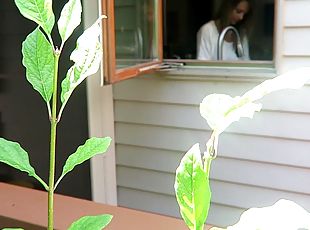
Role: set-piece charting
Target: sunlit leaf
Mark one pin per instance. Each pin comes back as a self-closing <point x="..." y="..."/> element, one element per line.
<point x="38" y="59"/>
<point x="39" y="11"/>
<point x="92" y="147"/>
<point x="86" y="57"/>
<point x="293" y="79"/>
<point x="192" y="189"/>
<point x="11" y="153"/>
<point x="284" y="215"/>
<point x="221" y="110"/>
<point x="91" y="222"/>
<point x="70" y="18"/>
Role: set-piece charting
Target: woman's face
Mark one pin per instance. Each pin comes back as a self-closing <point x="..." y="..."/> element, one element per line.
<point x="238" y="13"/>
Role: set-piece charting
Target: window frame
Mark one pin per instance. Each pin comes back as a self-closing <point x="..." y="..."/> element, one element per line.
<point x="111" y="73"/>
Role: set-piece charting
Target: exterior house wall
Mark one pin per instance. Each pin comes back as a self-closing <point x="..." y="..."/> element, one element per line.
<point x="156" y="120"/>
<point x="296" y="24"/>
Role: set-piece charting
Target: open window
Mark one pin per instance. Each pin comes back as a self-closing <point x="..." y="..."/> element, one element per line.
<point x="140" y="34"/>
<point x="132" y="37"/>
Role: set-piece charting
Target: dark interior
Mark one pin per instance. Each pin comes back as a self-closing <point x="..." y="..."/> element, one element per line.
<point x="183" y="19"/>
<point x="23" y="113"/>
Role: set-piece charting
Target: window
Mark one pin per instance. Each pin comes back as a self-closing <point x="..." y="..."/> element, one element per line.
<point x="133" y="37"/>
<point x="141" y="33"/>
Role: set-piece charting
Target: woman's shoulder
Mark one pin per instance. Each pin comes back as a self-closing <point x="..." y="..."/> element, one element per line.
<point x="209" y="26"/>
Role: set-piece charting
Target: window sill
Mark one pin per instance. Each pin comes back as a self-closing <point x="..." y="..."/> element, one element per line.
<point x="250" y="71"/>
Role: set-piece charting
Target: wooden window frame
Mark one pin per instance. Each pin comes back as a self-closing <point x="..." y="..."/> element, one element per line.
<point x="111" y="73"/>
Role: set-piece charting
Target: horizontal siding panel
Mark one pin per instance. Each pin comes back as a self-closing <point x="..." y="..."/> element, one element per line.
<point x="234" y="195"/>
<point x="146" y="201"/>
<point x="245" y="196"/>
<point x="293" y="62"/>
<point x="254" y="148"/>
<point x="265" y="123"/>
<point x="145" y="180"/>
<point x="219" y="215"/>
<point x="275" y="151"/>
<point x="223" y="215"/>
<point x="296" y="42"/>
<point x="297" y="13"/>
<point x="159" y="114"/>
<point x="158" y="137"/>
<point x="288" y="100"/>
<point x="261" y="174"/>
<point x="270" y="150"/>
<point x="167" y="205"/>
<point x="227" y="199"/>
<point x="161" y="90"/>
<point x="148" y="158"/>
<point x="273" y="124"/>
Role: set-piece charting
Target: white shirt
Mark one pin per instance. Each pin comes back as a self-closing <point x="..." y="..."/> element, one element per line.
<point x="207" y="38"/>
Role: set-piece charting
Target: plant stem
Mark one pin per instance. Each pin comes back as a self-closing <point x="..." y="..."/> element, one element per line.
<point x="53" y="145"/>
<point x="208" y="162"/>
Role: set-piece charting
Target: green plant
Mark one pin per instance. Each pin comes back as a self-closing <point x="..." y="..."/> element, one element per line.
<point x="192" y="187"/>
<point x="41" y="59"/>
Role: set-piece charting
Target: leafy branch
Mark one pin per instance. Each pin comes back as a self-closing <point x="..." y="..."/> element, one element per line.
<point x="41" y="60"/>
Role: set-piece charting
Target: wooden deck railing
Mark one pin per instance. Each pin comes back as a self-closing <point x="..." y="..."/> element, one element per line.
<point x="27" y="208"/>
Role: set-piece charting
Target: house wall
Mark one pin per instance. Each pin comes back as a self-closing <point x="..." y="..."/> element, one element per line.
<point x="296" y="34"/>
<point x="260" y="161"/>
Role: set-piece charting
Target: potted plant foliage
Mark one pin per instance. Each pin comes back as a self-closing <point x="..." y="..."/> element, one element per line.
<point x="41" y="60"/>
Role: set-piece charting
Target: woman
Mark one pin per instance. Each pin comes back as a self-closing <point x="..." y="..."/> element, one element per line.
<point x="235" y="13"/>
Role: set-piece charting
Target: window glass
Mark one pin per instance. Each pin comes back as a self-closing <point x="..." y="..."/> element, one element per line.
<point x="135" y="32"/>
<point x="183" y="20"/>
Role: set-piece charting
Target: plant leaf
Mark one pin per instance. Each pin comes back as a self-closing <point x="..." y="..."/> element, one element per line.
<point x="70" y="18"/>
<point x="87" y="58"/>
<point x="91" y="222"/>
<point x="221" y="110"/>
<point x="192" y="189"/>
<point x="38" y="59"/>
<point x="293" y="79"/>
<point x="284" y="214"/>
<point x="92" y="147"/>
<point x="39" y="11"/>
<point x="11" y="153"/>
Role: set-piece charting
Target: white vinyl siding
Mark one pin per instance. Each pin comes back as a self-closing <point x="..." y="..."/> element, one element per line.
<point x="260" y="160"/>
<point x="296" y="26"/>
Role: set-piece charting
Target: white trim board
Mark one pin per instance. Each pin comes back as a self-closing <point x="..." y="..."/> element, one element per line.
<point x="100" y="124"/>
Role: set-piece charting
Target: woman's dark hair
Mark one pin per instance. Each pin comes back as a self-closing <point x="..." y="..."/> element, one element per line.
<point x="224" y="10"/>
